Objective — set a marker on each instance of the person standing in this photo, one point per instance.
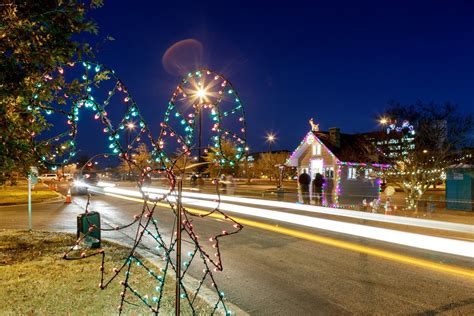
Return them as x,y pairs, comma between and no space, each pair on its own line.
230,181
193,180
318,183
304,181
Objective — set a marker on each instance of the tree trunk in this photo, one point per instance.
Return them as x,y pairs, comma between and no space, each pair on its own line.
412,197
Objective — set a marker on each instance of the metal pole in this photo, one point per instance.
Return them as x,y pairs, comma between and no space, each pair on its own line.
178,250
128,154
29,202
200,135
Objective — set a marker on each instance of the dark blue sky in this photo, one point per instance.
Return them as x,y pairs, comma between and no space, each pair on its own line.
339,63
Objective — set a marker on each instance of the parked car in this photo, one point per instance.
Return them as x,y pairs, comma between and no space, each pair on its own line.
48,177
67,177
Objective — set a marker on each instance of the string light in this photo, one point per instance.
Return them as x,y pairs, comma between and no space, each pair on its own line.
146,221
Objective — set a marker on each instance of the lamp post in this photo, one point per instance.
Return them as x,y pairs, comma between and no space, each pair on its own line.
200,95
246,164
130,128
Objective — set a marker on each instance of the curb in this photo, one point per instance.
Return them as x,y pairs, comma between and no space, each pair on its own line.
59,197
206,293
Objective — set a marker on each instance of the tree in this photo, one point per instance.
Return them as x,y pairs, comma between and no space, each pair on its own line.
217,165
267,164
36,37
420,142
70,168
141,158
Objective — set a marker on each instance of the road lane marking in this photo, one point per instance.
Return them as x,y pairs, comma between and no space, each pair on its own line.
332,242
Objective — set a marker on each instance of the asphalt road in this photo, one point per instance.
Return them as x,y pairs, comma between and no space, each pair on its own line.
267,273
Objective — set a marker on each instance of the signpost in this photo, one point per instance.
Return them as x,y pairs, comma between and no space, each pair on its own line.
32,180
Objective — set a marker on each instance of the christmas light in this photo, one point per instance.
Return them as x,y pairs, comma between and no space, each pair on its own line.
145,221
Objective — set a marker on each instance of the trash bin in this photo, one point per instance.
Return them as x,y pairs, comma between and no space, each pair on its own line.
84,222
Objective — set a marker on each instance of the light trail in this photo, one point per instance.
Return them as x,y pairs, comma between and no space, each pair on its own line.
420,241
439,244
456,227
333,242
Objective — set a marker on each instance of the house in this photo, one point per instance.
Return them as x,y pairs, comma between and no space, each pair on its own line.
346,161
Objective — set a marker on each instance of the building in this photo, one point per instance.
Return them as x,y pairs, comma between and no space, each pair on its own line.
347,162
393,145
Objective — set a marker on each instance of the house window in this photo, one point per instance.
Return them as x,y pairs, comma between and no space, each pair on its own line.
368,173
329,173
316,149
351,173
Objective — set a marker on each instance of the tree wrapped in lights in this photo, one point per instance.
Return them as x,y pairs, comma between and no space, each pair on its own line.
419,142
36,37
99,89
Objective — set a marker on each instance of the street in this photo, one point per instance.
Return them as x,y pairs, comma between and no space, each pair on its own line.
268,273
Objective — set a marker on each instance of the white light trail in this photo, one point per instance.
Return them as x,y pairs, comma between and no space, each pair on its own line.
456,227
104,184
438,244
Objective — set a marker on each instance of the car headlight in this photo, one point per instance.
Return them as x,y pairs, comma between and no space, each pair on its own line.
79,183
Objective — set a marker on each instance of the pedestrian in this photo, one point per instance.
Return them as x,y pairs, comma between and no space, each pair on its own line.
318,183
223,182
230,181
193,180
304,180
388,206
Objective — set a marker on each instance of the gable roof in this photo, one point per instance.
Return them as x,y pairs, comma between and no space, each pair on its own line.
355,148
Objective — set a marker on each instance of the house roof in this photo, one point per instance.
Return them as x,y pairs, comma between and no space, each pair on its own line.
353,147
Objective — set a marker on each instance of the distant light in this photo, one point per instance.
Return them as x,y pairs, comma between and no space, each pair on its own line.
383,121
130,125
271,138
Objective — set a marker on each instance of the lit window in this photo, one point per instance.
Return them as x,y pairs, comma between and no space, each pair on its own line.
329,172
316,149
351,173
368,173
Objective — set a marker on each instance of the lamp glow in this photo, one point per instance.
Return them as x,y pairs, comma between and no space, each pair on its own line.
201,93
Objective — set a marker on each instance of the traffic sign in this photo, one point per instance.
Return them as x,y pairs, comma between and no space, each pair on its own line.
33,175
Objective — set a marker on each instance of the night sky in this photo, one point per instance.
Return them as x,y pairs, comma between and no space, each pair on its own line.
339,64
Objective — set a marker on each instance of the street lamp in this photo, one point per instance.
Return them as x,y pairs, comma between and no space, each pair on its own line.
130,128
246,163
201,94
383,121
270,139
